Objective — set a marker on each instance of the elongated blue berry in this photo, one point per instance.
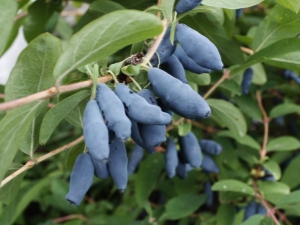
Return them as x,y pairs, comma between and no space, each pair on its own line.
177,96
101,168
261,210
95,132
81,178
173,67
139,110
117,164
186,5
164,50
209,165
238,13
198,47
188,63
190,150
135,135
290,75
210,147
181,170
247,79
171,158
135,158
113,111
209,194
152,135
250,210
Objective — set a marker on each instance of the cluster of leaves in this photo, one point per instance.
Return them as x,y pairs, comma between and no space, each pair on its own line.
108,33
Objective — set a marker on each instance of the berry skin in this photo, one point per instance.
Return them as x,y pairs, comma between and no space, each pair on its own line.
181,170
152,135
164,50
81,178
171,158
210,147
135,158
139,110
113,111
188,63
173,67
247,79
261,210
186,5
95,132
190,150
290,75
250,210
135,135
209,193
101,169
177,96
117,164
209,165
198,47
239,13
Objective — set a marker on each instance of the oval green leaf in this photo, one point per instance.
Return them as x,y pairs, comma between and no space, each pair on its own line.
233,186
286,143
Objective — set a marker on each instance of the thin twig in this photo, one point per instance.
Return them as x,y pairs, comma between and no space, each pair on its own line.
282,217
30,164
266,120
20,16
2,96
225,76
50,93
204,127
71,217
158,14
247,50
156,43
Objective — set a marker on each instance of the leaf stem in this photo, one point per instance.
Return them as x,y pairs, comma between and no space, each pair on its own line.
50,93
136,83
156,43
266,121
30,163
71,217
225,76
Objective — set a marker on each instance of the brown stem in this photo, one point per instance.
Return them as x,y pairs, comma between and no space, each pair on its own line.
266,120
204,127
30,163
225,76
50,93
2,96
71,217
158,14
20,16
282,217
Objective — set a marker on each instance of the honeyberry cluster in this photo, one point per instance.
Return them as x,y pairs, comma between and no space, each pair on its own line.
254,208
117,115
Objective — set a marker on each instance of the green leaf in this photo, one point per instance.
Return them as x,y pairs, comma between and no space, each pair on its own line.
231,4
8,11
245,140
10,189
116,68
39,13
13,129
58,112
280,23
137,47
75,116
105,6
147,176
72,155
229,115
259,75
183,206
194,11
167,9
290,61
279,48
290,4
31,141
233,186
104,36
184,128
202,80
285,143
33,71
268,188
292,199
273,168
225,214
254,220
248,106
290,176
131,70
284,109
22,200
